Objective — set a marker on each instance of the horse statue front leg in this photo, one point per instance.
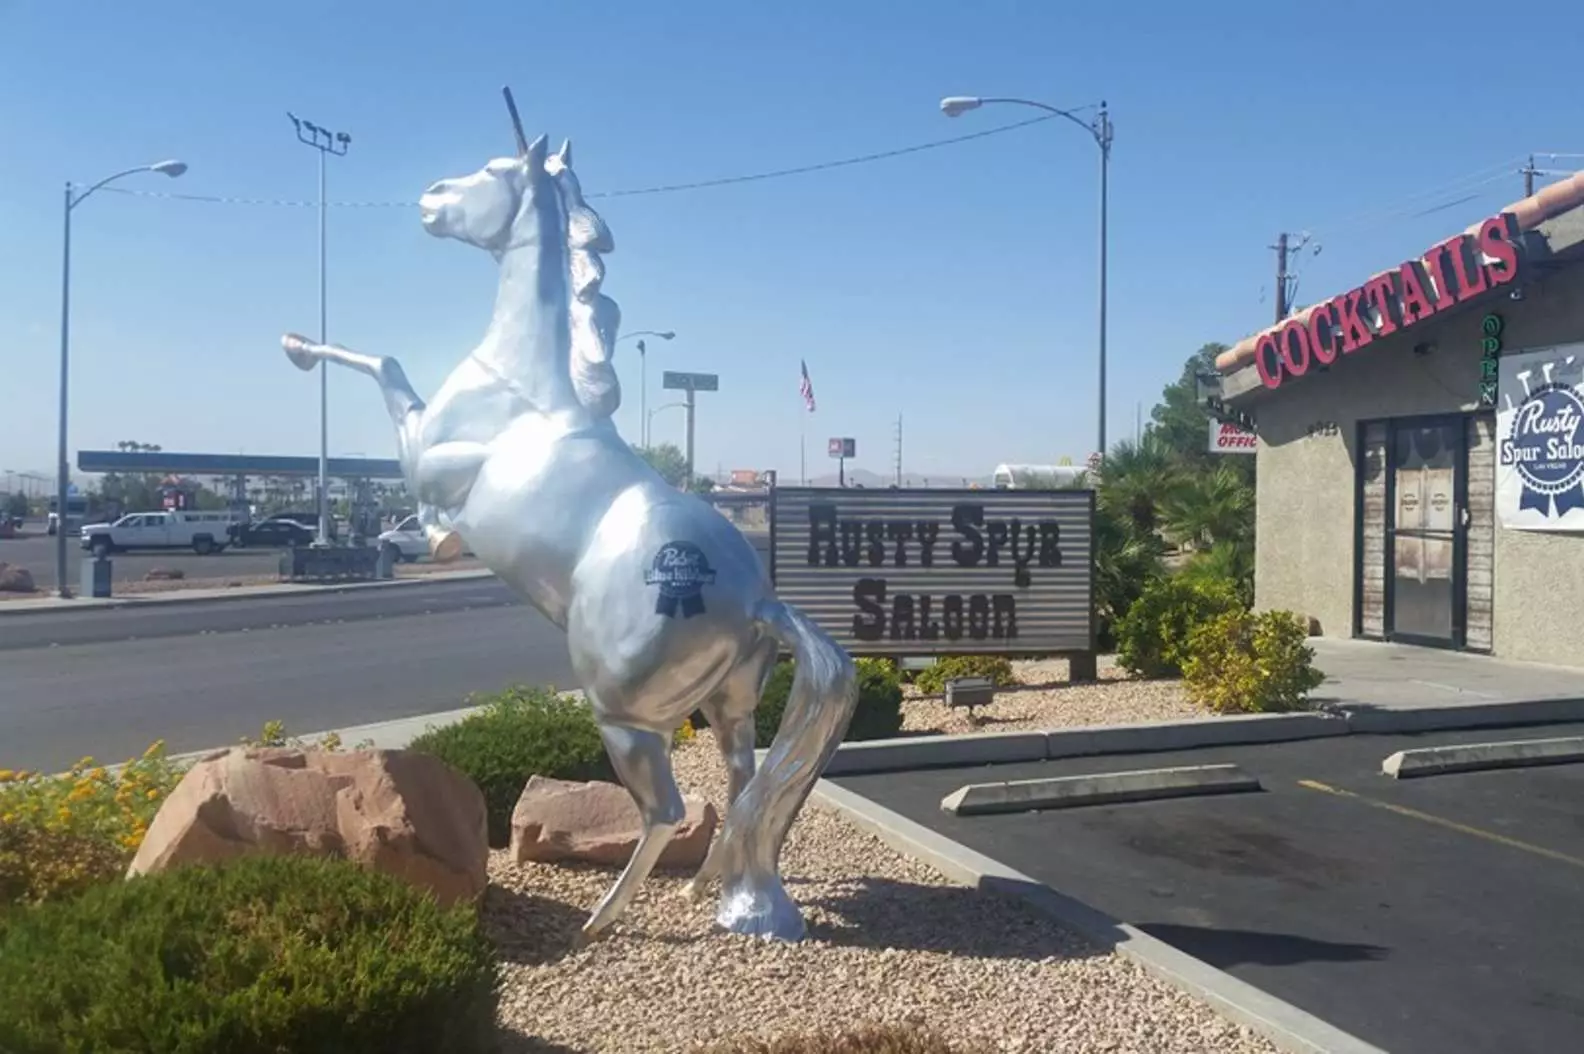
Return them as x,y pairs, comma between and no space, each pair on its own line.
442,475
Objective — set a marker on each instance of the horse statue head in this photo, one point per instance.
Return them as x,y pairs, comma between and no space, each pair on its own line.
528,212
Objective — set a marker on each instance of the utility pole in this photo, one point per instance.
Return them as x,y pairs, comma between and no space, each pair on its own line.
1529,173
899,450
1286,283
327,143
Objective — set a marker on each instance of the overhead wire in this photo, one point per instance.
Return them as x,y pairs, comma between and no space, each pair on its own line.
665,188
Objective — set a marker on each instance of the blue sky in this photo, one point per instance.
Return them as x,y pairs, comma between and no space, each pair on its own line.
954,286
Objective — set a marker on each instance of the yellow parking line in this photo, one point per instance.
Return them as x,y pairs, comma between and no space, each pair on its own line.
1451,825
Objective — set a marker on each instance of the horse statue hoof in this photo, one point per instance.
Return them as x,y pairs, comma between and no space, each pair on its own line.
297,351
444,546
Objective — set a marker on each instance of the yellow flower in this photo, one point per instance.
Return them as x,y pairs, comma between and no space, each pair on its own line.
6,775
152,795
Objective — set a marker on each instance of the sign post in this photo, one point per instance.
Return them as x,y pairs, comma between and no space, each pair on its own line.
841,449
929,571
690,383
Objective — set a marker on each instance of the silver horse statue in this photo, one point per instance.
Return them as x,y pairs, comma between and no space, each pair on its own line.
667,608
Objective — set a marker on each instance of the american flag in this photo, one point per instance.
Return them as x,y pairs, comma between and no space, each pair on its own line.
806,387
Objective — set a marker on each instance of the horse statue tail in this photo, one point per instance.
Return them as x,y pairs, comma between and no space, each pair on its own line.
818,710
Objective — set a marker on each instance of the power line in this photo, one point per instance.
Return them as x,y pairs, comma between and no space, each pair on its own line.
666,188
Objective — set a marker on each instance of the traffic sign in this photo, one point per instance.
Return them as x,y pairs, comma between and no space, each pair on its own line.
691,382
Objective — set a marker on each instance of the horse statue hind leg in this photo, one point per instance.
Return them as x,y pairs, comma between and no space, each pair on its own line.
407,413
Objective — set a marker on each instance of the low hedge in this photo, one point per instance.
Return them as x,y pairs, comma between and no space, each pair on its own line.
521,732
1245,663
260,955
878,714
1152,638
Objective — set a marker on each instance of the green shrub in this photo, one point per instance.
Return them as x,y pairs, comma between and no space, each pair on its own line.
874,1039
932,679
258,956
1152,638
1240,662
879,711
521,732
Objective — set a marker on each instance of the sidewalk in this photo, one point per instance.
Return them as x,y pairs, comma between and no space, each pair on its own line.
52,604
1370,675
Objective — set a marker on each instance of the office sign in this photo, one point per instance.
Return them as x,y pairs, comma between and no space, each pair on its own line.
1228,438
1540,439
845,448
932,571
691,382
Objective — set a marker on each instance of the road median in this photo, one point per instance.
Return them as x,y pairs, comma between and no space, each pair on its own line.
1479,757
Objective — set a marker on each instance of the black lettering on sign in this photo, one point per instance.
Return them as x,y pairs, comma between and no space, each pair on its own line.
1050,544
900,532
978,616
928,628
876,532
869,622
1004,609
902,627
952,616
967,519
928,531
822,535
851,539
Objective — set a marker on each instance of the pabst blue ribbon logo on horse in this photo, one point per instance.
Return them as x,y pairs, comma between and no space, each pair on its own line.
1544,445
681,570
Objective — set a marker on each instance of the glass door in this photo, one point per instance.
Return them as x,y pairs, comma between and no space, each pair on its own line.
1426,510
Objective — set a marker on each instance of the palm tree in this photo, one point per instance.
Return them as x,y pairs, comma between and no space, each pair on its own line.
1135,478
1204,509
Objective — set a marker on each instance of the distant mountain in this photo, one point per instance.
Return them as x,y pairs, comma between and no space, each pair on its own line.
862,477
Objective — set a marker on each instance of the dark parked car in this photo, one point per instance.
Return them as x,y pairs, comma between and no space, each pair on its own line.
272,532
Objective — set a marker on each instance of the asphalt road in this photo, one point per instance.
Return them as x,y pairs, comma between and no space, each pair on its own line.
1453,926
107,682
36,554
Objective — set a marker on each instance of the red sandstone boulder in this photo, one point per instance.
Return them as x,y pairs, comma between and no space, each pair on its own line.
598,823
405,813
14,579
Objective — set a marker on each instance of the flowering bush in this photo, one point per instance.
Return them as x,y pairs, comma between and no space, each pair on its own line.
61,833
1240,662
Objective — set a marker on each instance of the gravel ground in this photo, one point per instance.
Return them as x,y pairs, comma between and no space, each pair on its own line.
890,941
1044,700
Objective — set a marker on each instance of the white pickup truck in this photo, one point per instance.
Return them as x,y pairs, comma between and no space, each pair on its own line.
408,541
202,532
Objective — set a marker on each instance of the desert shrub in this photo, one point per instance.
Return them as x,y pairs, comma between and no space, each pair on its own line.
519,733
878,714
873,1039
1240,662
274,734
1152,638
932,679
59,834
259,955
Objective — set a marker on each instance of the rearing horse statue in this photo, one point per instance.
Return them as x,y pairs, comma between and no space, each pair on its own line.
666,607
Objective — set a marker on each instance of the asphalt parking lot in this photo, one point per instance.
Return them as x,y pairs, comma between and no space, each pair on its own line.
1427,916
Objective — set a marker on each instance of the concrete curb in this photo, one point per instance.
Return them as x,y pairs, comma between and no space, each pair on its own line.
1100,788
1477,757
920,752
1289,1028
206,596
1503,714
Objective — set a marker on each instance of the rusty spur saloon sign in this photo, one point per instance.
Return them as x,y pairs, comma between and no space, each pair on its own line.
925,571
1453,272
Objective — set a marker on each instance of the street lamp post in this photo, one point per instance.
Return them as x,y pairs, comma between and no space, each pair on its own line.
643,378
62,456
1101,129
327,143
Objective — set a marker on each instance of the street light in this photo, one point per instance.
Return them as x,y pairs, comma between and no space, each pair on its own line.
327,143
643,376
62,457
650,416
1101,129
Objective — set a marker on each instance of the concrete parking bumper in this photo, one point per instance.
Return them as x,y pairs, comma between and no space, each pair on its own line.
1477,757
1101,788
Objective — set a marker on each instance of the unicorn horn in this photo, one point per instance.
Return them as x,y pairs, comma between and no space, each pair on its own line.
511,107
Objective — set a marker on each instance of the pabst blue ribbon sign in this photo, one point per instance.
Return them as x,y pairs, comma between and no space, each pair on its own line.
1540,439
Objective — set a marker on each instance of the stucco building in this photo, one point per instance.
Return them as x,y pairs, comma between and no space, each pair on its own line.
1420,446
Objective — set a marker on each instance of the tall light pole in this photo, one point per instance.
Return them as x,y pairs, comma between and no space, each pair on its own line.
643,377
327,143
1101,129
62,456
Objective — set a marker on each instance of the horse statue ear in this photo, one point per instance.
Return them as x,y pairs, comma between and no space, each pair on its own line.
537,150
565,153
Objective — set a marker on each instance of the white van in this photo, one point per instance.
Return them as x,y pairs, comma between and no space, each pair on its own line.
202,532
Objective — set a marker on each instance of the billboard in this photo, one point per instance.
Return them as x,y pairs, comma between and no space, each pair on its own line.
1540,439
1230,439
840,447
932,571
